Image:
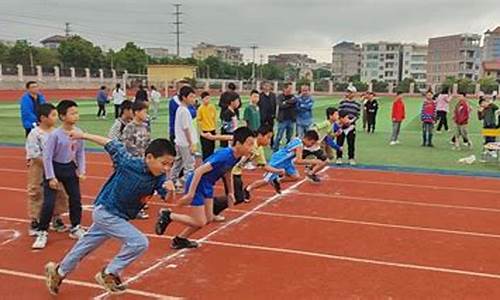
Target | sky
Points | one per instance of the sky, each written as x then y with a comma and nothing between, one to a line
275,26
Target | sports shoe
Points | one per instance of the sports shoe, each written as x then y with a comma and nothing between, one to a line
110,282
76,232
162,221
41,240
58,225
142,215
338,161
181,243
219,218
249,166
276,185
246,195
313,178
352,162
33,230
392,143
52,278
398,142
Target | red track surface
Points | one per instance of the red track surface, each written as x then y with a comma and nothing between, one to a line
359,234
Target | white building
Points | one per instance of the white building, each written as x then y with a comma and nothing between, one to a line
381,61
415,64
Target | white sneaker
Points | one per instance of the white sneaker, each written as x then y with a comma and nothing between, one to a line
338,161
41,240
398,142
219,218
76,232
250,166
352,162
392,143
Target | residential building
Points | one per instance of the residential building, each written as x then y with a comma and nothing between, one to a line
455,55
295,60
346,61
491,69
491,45
227,54
157,52
415,64
53,42
382,62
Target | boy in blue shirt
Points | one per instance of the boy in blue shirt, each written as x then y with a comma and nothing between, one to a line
199,189
131,185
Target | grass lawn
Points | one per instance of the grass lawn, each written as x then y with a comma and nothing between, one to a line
370,149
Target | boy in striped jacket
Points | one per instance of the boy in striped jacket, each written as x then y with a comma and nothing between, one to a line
428,118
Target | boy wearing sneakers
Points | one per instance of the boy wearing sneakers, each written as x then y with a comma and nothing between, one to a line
428,118
461,116
199,189
35,144
398,115
64,167
132,184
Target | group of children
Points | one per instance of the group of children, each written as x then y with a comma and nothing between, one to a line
144,167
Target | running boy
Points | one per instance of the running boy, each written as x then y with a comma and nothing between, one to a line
207,120
199,189
35,145
133,182
64,167
125,116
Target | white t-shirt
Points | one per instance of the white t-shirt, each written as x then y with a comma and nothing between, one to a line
118,96
155,96
183,120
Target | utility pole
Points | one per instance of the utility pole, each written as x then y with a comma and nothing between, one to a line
253,47
67,28
177,24
261,63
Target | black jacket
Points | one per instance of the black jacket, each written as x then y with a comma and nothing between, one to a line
267,108
287,108
141,95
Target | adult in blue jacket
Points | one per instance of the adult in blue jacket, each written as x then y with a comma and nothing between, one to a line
30,103
304,111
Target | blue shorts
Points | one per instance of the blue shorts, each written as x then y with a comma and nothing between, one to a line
203,191
287,165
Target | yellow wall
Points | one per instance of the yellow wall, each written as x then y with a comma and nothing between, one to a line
170,73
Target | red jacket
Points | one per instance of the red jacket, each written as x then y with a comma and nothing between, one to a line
398,109
462,113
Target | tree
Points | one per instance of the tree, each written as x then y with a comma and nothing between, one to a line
4,53
272,72
47,58
131,58
20,53
404,85
488,84
379,86
80,53
322,73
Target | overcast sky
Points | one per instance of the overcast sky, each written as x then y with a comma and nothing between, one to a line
310,27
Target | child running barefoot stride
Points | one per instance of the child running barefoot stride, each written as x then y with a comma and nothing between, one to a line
133,182
199,189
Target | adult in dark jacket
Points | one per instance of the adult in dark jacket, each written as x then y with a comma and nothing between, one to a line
30,103
141,94
287,114
267,105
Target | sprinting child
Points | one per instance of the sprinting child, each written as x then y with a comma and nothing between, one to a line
207,120
200,186
185,135
125,116
486,113
461,116
305,104
251,115
330,129
398,115
132,184
136,136
35,145
371,109
64,167
428,118
286,158
229,117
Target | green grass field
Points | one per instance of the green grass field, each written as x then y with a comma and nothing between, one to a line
371,149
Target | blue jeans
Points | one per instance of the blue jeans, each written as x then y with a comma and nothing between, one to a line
107,226
282,127
302,128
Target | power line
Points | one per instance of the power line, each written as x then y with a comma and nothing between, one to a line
178,23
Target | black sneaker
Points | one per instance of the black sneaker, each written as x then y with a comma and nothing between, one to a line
313,178
276,185
33,230
246,195
181,243
162,221
58,225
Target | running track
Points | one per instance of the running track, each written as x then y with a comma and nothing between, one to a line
359,234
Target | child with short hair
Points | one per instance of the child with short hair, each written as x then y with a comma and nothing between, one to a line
35,145
64,165
251,115
207,120
185,135
199,189
229,116
461,116
398,115
132,184
125,116
136,135
371,109
428,118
